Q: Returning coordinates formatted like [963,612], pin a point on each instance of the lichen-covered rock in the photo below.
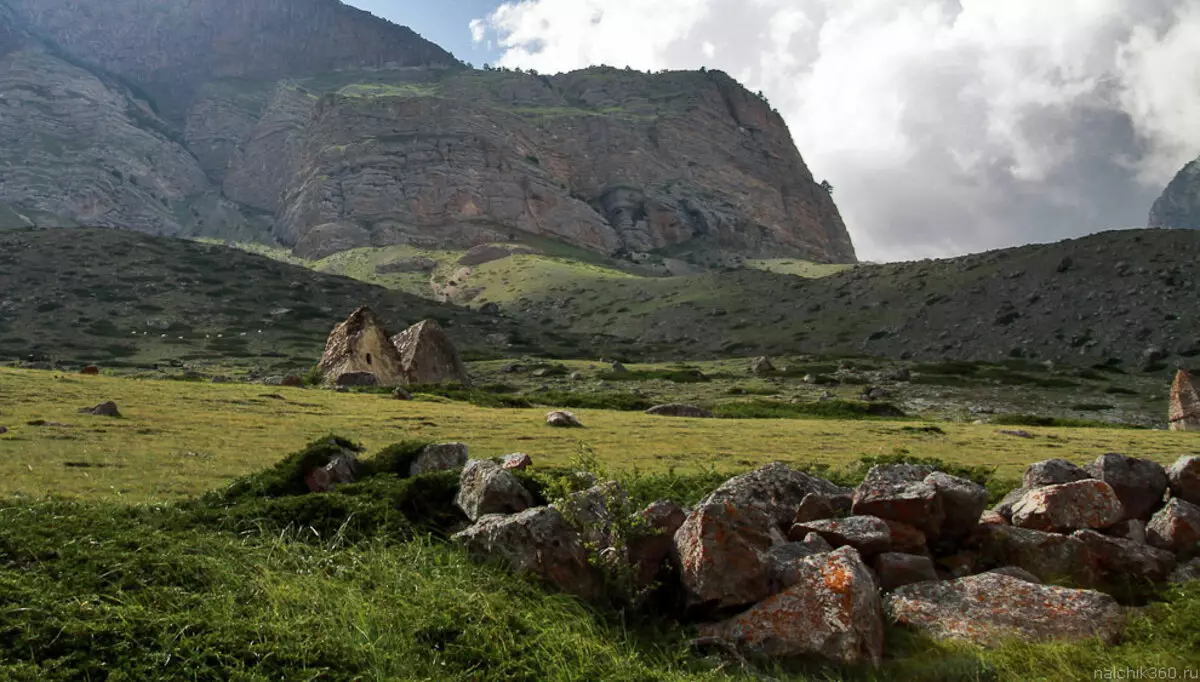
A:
[1052,557]
[896,569]
[868,534]
[358,346]
[439,457]
[1018,573]
[962,503]
[537,541]
[341,468]
[428,356]
[1184,409]
[785,562]
[653,538]
[832,612]
[1069,506]
[990,608]
[680,410]
[814,507]
[485,488]
[721,549]
[1118,558]
[1053,472]
[1139,483]
[1005,507]
[1184,478]
[906,539]
[776,488]
[563,419]
[1176,527]
[593,512]
[899,492]
[517,461]
[1129,529]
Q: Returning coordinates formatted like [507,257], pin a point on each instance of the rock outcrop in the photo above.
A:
[428,356]
[360,345]
[1179,205]
[1184,413]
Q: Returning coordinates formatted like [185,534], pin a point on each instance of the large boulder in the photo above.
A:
[1117,558]
[833,612]
[439,457]
[680,410]
[777,489]
[1139,483]
[360,345]
[962,503]
[1176,527]
[428,356]
[1052,557]
[1069,506]
[895,569]
[899,492]
[1184,410]
[486,488]
[869,535]
[721,550]
[1053,472]
[1184,479]
[989,608]
[537,541]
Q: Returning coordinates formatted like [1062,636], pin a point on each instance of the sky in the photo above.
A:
[945,126]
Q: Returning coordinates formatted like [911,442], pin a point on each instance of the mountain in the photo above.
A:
[320,127]
[1179,205]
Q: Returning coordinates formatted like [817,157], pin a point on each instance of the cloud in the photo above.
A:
[946,126]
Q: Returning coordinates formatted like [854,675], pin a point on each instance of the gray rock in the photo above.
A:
[356,379]
[1176,527]
[896,570]
[680,410]
[816,543]
[1018,573]
[832,612]
[722,553]
[592,512]
[1139,483]
[1119,558]
[439,457]
[1068,507]
[989,608]
[341,468]
[651,543]
[1185,572]
[485,488]
[762,366]
[814,507]
[1184,478]
[517,461]
[898,492]
[1053,472]
[776,488]
[537,541]
[1005,507]
[563,419]
[1051,557]
[867,534]
[786,562]
[108,409]
[1129,529]
[962,502]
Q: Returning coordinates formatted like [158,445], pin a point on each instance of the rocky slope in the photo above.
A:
[324,128]
[1179,205]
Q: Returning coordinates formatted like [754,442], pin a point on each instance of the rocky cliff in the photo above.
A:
[323,128]
[1179,205]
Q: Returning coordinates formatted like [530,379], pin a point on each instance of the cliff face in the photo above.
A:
[1179,205]
[325,128]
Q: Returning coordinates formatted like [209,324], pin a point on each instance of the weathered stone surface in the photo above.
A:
[1185,572]
[907,539]
[786,562]
[1179,205]
[993,517]
[899,492]
[722,551]
[517,461]
[485,488]
[563,419]
[1129,529]
[537,541]
[832,612]
[989,608]
[1050,556]
[962,502]
[1184,411]
[1118,557]
[439,457]
[680,410]
[1176,527]
[428,356]
[341,468]
[653,538]
[106,409]
[761,366]
[814,507]
[592,512]
[1005,507]
[895,569]
[1139,483]
[1184,478]
[360,345]
[354,379]
[1053,472]
[1018,573]
[868,534]
[816,543]
[776,488]
[1069,506]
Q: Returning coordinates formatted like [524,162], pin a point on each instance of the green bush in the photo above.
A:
[1061,422]
[678,376]
[823,409]
[287,476]
[396,459]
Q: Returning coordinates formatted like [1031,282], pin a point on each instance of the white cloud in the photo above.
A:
[945,125]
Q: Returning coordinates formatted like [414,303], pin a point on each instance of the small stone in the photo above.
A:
[816,543]
[293,381]
[761,366]
[992,517]
[1018,433]
[439,457]
[867,534]
[1176,527]
[108,409]
[3,430]
[517,461]
[896,569]
[563,419]
[650,546]
[1068,507]
[1185,572]
[906,539]
[1129,529]
[341,468]
[962,502]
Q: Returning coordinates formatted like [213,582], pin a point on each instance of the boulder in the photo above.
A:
[1053,472]
[485,488]
[832,612]
[563,419]
[814,507]
[761,366]
[993,517]
[989,608]
[537,541]
[868,534]
[439,457]
[1005,507]
[721,550]
[1050,556]
[1118,558]
[1129,529]
[899,492]
[653,538]
[361,345]
[895,569]
[1018,573]
[107,409]
[341,468]
[1184,409]
[1140,484]
[776,488]
[90,370]
[816,543]
[785,562]
[592,512]
[1069,506]
[680,410]
[618,368]
[962,502]
[907,539]
[294,381]
[1184,479]
[1185,572]
[1176,527]
[428,356]
[354,379]
[400,394]
[517,461]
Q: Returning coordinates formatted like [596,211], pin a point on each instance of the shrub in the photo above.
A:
[679,376]
[393,459]
[287,476]
[824,409]
[1061,422]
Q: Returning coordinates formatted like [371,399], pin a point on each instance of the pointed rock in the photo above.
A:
[1185,404]
[427,356]
[358,346]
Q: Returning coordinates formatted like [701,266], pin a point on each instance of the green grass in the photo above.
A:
[829,409]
